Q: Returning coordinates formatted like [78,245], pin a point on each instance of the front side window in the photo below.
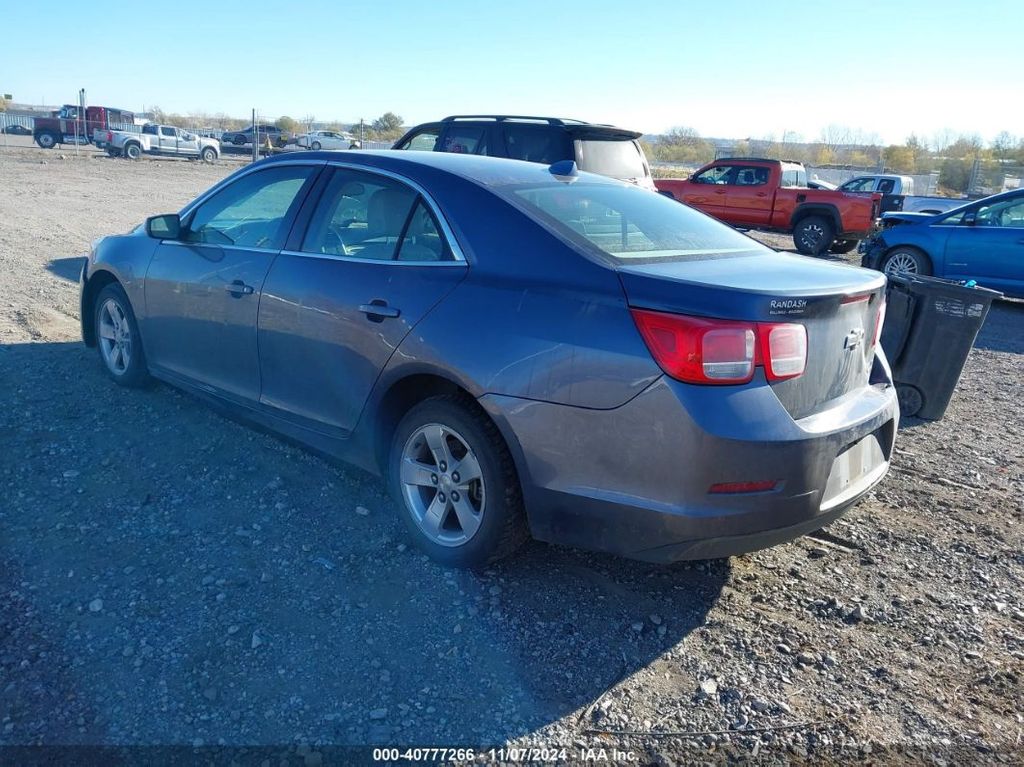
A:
[630,224]
[718,175]
[250,212]
[859,185]
[1008,213]
[424,141]
[361,215]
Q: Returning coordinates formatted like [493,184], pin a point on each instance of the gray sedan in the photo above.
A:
[518,350]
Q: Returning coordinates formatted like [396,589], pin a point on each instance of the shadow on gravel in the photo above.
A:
[1003,330]
[67,268]
[174,577]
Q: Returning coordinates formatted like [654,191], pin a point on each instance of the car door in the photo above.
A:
[374,259]
[991,250]
[188,143]
[203,290]
[748,199]
[168,139]
[709,190]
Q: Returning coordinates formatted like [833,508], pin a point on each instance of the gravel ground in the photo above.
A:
[169,576]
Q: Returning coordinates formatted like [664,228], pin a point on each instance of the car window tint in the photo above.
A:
[165,131]
[465,140]
[149,130]
[423,240]
[717,175]
[631,224]
[250,212]
[1008,213]
[754,176]
[424,140]
[360,215]
[886,185]
[535,143]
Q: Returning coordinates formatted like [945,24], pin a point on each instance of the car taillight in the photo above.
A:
[879,320]
[110,137]
[783,350]
[710,351]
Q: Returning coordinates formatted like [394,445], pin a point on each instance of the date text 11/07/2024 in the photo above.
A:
[523,755]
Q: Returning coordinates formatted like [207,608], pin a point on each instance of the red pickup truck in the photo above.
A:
[754,193]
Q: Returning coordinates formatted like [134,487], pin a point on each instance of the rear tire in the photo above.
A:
[432,441]
[910,399]
[843,246]
[132,151]
[812,235]
[316,146]
[906,261]
[117,338]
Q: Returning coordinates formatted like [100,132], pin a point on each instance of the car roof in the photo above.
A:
[479,169]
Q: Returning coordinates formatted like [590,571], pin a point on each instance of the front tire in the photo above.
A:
[209,155]
[906,261]
[813,235]
[456,484]
[117,338]
[317,146]
[46,140]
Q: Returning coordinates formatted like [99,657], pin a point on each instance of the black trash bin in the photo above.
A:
[930,327]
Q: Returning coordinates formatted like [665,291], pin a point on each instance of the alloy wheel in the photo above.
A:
[901,263]
[115,337]
[442,484]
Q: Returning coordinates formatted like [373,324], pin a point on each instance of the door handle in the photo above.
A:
[377,310]
[238,288]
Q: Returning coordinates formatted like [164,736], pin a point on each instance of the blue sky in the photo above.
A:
[731,68]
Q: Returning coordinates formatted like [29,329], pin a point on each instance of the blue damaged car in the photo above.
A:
[981,241]
[518,350]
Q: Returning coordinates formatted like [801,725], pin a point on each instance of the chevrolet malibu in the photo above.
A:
[519,350]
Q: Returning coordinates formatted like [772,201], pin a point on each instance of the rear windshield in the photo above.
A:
[618,159]
[630,224]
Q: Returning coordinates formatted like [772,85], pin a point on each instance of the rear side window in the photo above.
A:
[535,143]
[361,215]
[753,176]
[630,224]
[618,159]
[465,139]
[166,131]
[250,212]
[149,130]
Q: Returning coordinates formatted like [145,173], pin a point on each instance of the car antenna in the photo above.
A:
[564,170]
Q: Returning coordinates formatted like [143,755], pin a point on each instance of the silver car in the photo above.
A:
[519,350]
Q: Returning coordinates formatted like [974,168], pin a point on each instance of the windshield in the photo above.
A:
[618,159]
[630,224]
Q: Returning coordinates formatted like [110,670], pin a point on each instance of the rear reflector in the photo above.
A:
[708,351]
[879,321]
[760,486]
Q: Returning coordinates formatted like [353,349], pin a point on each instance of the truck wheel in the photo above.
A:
[813,235]
[906,261]
[843,246]
[132,151]
[209,155]
[46,140]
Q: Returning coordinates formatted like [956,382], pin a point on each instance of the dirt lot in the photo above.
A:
[170,576]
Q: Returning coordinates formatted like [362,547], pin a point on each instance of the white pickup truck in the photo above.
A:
[161,140]
[898,194]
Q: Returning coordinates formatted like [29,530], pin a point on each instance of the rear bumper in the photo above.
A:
[635,481]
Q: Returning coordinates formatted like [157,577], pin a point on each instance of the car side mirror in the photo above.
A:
[970,218]
[165,227]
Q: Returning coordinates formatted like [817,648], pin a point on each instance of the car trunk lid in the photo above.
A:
[837,304]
